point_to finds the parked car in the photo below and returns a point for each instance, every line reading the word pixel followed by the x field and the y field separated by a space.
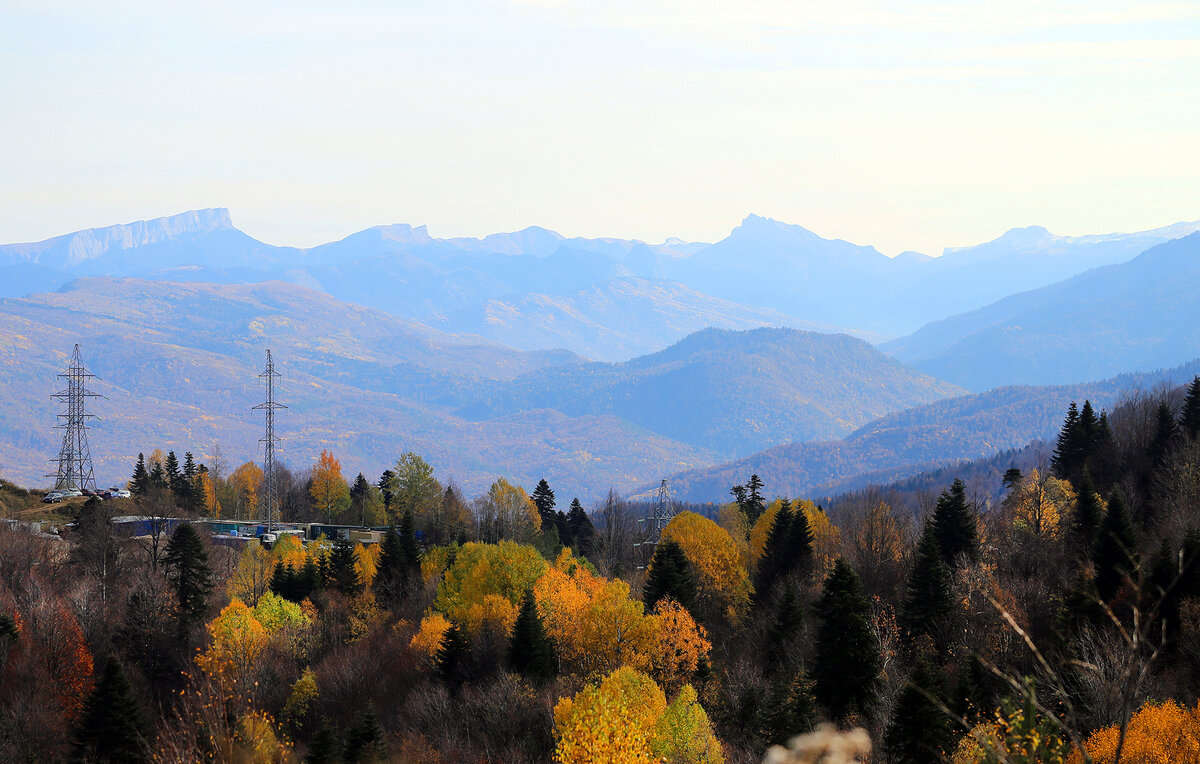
pixel 52 498
pixel 121 494
pixel 88 492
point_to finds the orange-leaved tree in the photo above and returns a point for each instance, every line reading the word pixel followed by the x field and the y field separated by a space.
pixel 245 482
pixel 330 493
pixel 1156 733
pixel 503 571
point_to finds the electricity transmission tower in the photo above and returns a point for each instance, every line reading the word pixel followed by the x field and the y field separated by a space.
pixel 661 512
pixel 270 489
pixel 74 456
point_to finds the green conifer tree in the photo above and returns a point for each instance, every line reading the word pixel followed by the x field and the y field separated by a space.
pixel 189 574
pixel 799 545
pixel 283 581
pixel 755 504
pixel 776 558
pixel 324 747
pixel 387 482
pixel 788 710
pixel 973 695
pixel 1114 554
pixel 140 483
pixel 1165 433
pixel 391 569
pixel 583 533
pixel 1066 450
pixel 846 663
pixel 543 499
pixel 530 651
pixel 670 575
pixel 789 617
pixel 954 525
pixel 364 739
pixel 919 730
pixel 928 597
pixel 111 727
pixel 1189 417
pixel 1085 520
pixel 344 574
pixel 453 658
pixel 410 548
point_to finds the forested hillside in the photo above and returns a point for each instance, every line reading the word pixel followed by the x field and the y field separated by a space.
pixel 520 627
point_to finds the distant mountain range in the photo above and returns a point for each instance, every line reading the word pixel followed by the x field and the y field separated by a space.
pixel 908 443
pixel 179 364
pixel 1142 314
pixel 607 299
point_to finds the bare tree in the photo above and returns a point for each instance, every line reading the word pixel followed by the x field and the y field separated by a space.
pixel 616 532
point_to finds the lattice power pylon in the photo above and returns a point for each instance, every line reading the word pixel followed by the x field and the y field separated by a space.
pixel 74 455
pixel 661 512
pixel 270 497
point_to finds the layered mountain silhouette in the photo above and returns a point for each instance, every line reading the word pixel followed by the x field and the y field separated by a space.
pixel 607 298
pixel 179 364
pixel 1142 314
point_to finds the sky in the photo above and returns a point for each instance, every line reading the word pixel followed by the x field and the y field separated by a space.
pixel 909 126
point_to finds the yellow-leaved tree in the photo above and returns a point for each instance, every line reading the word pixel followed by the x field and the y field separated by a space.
pixel 502 571
pixel 252 578
pixel 245 482
pixel 1039 503
pixel 208 494
pixel 626 719
pixel 507 512
pixel 1158 732
pixel 723 585
pixel 330 493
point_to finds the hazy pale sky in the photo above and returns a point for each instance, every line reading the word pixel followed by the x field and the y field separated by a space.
pixel 903 125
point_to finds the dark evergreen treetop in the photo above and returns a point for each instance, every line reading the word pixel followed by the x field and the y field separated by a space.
pixel 530 651
pixel 755 504
pixel 1189 418
pixel 343 573
pixel 1082 436
pixel 670 575
pixel 453 658
pixel 928 596
pixel 1085 520
pixel 954 525
pixel 799 544
pixel 775 560
pixel 1114 555
pixel 543 499
pixel 386 481
pixel 140 482
pixel 789 617
pixel 846 663
pixel 583 533
pixel 1165 432
pixel 919 730
pixel 391 571
pixel 191 578
pixel 111 727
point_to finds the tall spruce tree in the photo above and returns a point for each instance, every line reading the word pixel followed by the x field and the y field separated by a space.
pixel 1088 513
pixel 140 483
pixel 1189 417
pixel 776 556
pixel 189 574
pixel 919 730
pixel 928 596
pixel 343 572
pixel 788 710
pixel 530 651
pixel 789 617
pixel 409 545
pixel 364 739
pixel 387 483
pixel 391 570
pixel 846 663
pixel 171 472
pixel 543 499
pixel 1114 554
pixel 453 658
pixel 111 727
pixel 670 575
pixel 1165 433
pixel 954 525
pixel 755 504
pixel 360 494
pixel 1066 453
pixel 800 544
pixel 583 533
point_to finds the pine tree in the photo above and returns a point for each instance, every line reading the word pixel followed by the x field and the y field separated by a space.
pixel 453 657
pixel 928 597
pixel 140 483
pixel 846 663
pixel 344 574
pixel 158 478
pixel 387 482
pixel 171 472
pixel 391 568
pixel 360 493
pixel 954 525
pixel 1165 432
pixel 188 572
pixel 1066 450
pixel 310 578
pixel 1085 520
pixel 919 731
pixel 583 533
pixel 1189 417
pixel 364 739
pixel 1115 552
pixel 799 545
pixel 973 696
pixel 789 617
pixel 671 576
pixel 755 505
pixel 324 747
pixel 410 548
pixel 543 499
pixel 111 727
pixel 788 710
pixel 776 556
pixel 530 651
pixel 283 581
pixel 186 488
